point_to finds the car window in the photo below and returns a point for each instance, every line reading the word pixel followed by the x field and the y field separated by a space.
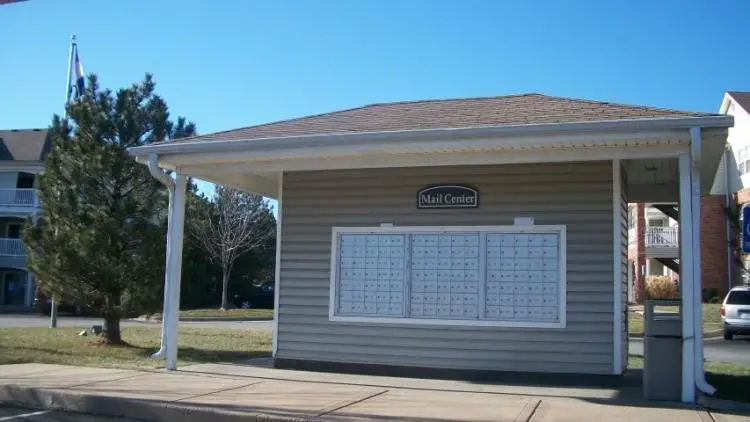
pixel 739 297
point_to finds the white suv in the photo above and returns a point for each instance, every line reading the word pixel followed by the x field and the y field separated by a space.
pixel 735 312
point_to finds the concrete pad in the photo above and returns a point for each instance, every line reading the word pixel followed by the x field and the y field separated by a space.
pixel 287 398
pixel 235 370
pixel 434 405
pixel 583 410
pixel 161 386
pixel 23 369
pixel 59 376
pixel 725 417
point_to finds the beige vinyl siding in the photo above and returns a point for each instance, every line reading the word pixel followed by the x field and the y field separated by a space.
pixel 578 195
pixel 624 264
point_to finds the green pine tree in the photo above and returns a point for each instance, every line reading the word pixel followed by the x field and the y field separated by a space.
pixel 100 237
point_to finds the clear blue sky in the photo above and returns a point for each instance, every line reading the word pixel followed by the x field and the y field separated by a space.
pixel 226 64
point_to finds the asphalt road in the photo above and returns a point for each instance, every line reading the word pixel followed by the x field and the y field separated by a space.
pixel 714 350
pixel 9 413
pixel 35 320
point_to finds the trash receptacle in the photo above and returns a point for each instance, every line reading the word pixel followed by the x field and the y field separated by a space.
pixel 662 350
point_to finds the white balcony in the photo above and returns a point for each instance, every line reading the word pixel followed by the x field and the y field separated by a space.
pixel 660 242
pixel 21 198
pixel 662 237
pixel 12 247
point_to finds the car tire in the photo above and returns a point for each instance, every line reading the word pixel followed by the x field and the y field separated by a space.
pixel 728 335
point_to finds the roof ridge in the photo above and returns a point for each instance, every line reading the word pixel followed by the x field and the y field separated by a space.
pixel 32 129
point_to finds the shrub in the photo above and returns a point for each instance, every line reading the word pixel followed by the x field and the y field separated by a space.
pixel 661 287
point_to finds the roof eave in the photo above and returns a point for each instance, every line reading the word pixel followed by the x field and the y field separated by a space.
pixel 609 126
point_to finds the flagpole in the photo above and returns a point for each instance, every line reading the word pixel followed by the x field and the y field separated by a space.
pixel 70 69
pixel 53 305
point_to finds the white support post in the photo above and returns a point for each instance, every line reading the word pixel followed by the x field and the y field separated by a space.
pixel 617 265
pixel 174 268
pixel 277 273
pixel 687 256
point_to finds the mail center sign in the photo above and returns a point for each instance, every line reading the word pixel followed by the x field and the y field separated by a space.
pixel 448 196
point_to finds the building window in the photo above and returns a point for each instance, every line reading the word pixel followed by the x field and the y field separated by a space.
pixel 743 160
pixel 493 276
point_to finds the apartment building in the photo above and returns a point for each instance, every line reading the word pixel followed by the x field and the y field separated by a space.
pixel 653 227
pixel 22 154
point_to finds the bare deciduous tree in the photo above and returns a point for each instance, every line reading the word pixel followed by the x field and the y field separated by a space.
pixel 231 224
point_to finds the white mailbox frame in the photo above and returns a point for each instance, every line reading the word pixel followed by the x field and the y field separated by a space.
pixel 483 231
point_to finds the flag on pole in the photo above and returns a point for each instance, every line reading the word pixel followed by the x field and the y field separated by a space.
pixel 76 81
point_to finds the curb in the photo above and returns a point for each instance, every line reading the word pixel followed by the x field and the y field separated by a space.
pixel 138 409
pixel 209 319
pixel 721 405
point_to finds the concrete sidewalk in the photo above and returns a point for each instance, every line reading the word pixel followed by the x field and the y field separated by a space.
pixel 229 392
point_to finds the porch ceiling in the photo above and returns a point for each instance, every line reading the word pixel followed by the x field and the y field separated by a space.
pixel 648 151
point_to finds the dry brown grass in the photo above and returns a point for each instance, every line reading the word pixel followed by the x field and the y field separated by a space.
pixel 661 287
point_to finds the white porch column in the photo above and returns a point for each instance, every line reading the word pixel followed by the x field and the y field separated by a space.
pixel 277 272
pixel 687 256
pixel 174 268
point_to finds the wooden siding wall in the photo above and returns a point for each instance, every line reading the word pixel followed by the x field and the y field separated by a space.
pixel 578 195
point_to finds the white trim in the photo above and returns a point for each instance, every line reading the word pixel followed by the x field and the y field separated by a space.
pixel 482 230
pixel 33 167
pixel 686 280
pixel 630 126
pixel 344 160
pixel 277 272
pixel 617 264
pixel 580 147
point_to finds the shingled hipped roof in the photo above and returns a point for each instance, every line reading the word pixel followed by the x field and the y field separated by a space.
pixel 449 113
pixel 24 144
pixel 742 98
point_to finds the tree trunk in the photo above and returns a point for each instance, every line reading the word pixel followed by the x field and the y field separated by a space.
pixel 224 289
pixel 111 330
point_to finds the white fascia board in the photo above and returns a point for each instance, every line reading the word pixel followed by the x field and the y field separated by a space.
pixel 630 127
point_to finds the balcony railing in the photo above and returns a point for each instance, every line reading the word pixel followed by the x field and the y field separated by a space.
pixel 11 247
pixel 658 237
pixel 662 237
pixel 18 198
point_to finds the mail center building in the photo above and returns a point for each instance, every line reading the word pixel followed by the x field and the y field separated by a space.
pixel 460 237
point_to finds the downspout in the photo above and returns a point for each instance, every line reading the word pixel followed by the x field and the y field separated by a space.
pixel 695 155
pixel 161 176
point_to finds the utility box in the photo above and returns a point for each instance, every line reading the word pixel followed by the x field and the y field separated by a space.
pixel 662 350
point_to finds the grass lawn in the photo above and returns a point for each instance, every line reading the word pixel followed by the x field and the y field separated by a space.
pixel 64 346
pixel 229 313
pixel 711 319
pixel 732 381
